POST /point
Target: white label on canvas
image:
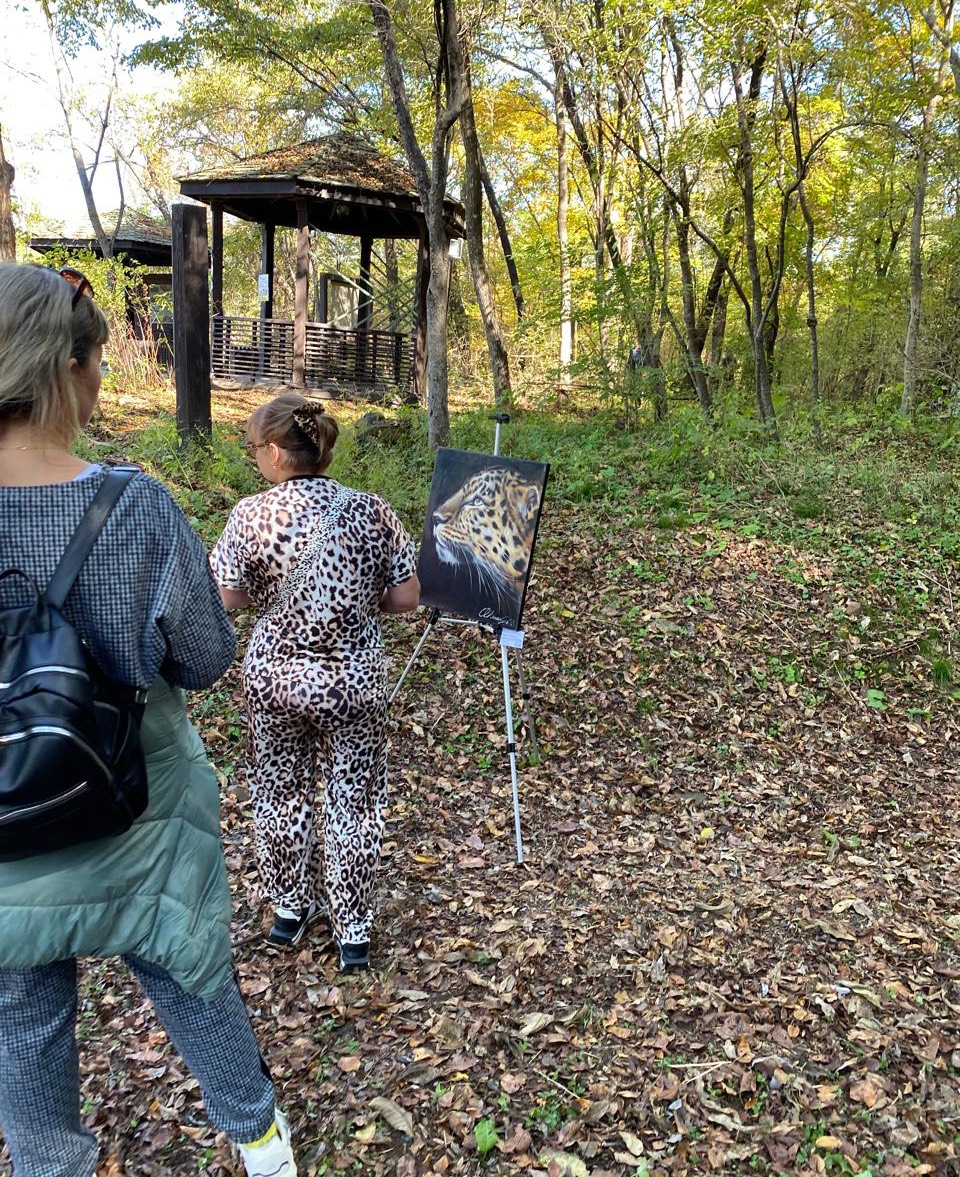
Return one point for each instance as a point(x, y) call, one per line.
point(513, 638)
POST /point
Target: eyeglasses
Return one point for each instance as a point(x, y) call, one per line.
point(252, 446)
point(80, 283)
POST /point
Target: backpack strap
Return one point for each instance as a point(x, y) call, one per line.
point(312, 549)
point(86, 533)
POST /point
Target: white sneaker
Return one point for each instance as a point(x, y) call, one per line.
point(271, 1155)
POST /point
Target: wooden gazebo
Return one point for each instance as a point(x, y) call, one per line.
point(139, 238)
point(337, 184)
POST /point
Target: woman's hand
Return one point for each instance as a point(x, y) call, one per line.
point(235, 598)
point(401, 598)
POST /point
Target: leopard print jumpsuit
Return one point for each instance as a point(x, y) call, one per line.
point(315, 690)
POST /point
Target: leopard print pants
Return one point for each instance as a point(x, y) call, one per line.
point(317, 770)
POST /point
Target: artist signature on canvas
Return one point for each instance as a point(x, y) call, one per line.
point(488, 617)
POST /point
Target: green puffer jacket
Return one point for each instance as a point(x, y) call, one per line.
point(159, 891)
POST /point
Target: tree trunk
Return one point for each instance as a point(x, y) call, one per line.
point(715, 286)
point(916, 241)
point(812, 316)
point(758, 317)
point(593, 160)
point(438, 293)
point(85, 174)
point(496, 211)
point(473, 219)
point(8, 237)
point(789, 93)
point(719, 366)
point(660, 387)
point(567, 340)
point(431, 184)
point(391, 269)
point(698, 378)
point(916, 280)
point(944, 34)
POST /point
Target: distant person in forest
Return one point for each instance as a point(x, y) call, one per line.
point(320, 563)
point(149, 613)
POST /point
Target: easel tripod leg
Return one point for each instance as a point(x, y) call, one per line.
point(512, 750)
point(412, 659)
point(525, 709)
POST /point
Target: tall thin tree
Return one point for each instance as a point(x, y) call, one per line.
point(431, 179)
point(473, 210)
point(8, 237)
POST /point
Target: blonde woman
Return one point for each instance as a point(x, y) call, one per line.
point(320, 562)
point(150, 614)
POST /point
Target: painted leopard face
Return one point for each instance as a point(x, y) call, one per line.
point(486, 529)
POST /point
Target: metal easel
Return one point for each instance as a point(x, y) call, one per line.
point(509, 639)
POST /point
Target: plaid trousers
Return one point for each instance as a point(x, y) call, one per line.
point(40, 1072)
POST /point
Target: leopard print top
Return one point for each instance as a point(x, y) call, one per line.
point(335, 612)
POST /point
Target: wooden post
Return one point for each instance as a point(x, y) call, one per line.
point(267, 237)
point(323, 282)
point(362, 372)
point(216, 274)
point(191, 322)
point(219, 348)
point(267, 240)
point(365, 301)
point(300, 296)
point(419, 374)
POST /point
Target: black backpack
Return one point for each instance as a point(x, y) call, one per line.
point(71, 764)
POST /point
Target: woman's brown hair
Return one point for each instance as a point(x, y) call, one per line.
point(300, 427)
point(89, 330)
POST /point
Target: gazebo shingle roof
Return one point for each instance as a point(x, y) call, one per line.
point(141, 237)
point(342, 160)
point(349, 186)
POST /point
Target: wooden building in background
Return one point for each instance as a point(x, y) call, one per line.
point(141, 239)
point(349, 335)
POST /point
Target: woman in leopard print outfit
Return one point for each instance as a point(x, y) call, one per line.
point(314, 679)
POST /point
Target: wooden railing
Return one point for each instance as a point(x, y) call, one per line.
point(261, 350)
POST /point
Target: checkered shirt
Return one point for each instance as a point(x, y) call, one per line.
point(145, 602)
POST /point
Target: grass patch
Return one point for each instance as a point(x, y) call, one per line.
point(870, 493)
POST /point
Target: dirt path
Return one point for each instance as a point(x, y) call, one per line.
point(732, 947)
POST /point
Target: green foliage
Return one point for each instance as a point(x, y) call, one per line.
point(486, 1136)
point(79, 23)
point(111, 279)
point(206, 481)
point(678, 474)
point(398, 469)
point(551, 1108)
point(252, 77)
point(942, 671)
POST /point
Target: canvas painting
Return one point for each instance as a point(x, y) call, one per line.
point(479, 535)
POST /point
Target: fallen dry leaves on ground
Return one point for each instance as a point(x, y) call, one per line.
point(732, 946)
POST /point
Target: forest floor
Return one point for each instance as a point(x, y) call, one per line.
point(733, 945)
